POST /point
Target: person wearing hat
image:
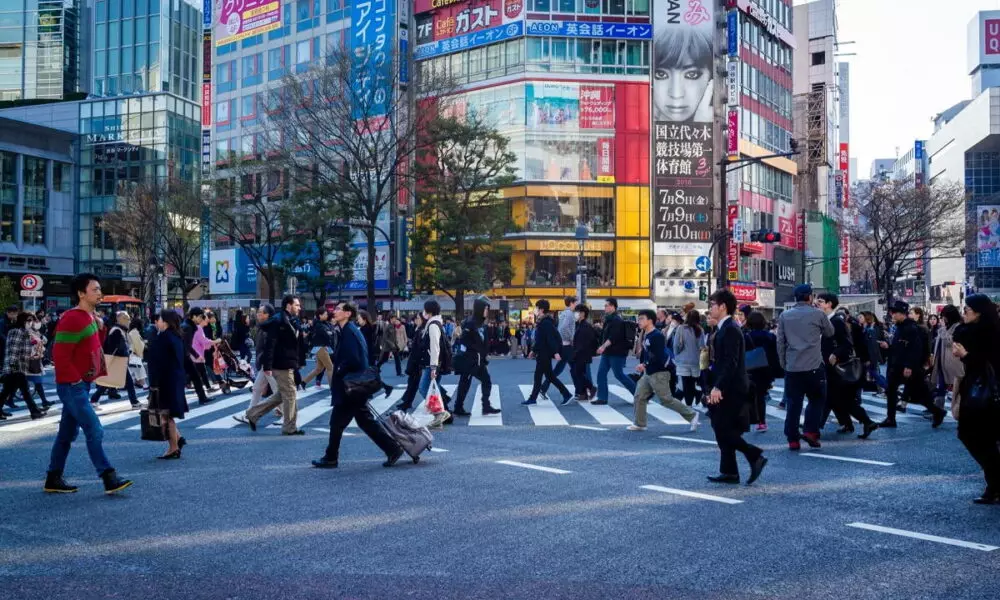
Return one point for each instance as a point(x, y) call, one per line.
point(908, 356)
point(801, 330)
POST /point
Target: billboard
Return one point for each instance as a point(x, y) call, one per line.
point(845, 260)
point(787, 223)
point(983, 40)
point(222, 272)
point(845, 174)
point(570, 105)
point(468, 41)
point(988, 235)
point(206, 104)
point(683, 182)
point(240, 19)
point(462, 18)
point(372, 42)
point(630, 31)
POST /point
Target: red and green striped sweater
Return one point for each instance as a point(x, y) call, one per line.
point(77, 352)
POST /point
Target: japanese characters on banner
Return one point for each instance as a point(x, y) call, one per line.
point(845, 260)
point(626, 31)
point(733, 134)
point(240, 19)
point(372, 41)
point(845, 166)
point(453, 19)
point(683, 182)
point(787, 225)
point(733, 253)
point(570, 105)
point(206, 104)
point(606, 160)
point(745, 291)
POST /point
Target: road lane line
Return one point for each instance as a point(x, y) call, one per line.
point(684, 439)
point(698, 495)
point(544, 414)
point(214, 406)
point(514, 463)
point(478, 419)
point(925, 537)
point(589, 427)
point(863, 461)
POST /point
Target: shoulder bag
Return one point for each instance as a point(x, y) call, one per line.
point(362, 383)
point(983, 392)
point(152, 424)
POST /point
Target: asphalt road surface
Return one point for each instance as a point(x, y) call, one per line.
point(548, 503)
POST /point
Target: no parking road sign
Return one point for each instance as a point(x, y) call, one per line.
point(30, 283)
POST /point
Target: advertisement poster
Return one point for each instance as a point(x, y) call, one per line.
point(845, 260)
point(570, 105)
point(845, 166)
point(988, 235)
point(469, 40)
point(460, 18)
point(787, 227)
point(606, 160)
point(630, 31)
point(206, 105)
point(240, 19)
point(222, 273)
point(372, 42)
point(683, 182)
point(745, 291)
point(733, 249)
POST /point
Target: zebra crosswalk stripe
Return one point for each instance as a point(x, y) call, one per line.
point(657, 411)
point(544, 414)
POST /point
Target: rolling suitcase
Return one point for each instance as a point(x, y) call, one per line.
point(414, 438)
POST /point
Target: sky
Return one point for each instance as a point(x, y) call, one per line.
point(910, 65)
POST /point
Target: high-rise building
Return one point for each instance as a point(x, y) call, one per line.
point(40, 49)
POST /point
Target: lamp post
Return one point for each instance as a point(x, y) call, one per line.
point(582, 233)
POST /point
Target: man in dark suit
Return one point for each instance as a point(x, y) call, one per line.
point(351, 356)
point(547, 346)
point(729, 402)
point(585, 342)
point(841, 396)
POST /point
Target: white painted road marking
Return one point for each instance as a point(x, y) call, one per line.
point(925, 537)
point(655, 410)
point(863, 461)
point(513, 463)
point(698, 495)
point(544, 413)
point(478, 418)
point(438, 450)
point(605, 415)
point(684, 439)
point(589, 427)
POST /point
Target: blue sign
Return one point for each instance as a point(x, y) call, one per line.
point(373, 28)
point(206, 240)
point(733, 33)
point(591, 30)
point(918, 150)
point(470, 40)
point(703, 263)
point(207, 14)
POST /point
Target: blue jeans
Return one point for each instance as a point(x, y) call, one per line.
point(876, 373)
point(615, 364)
point(77, 413)
point(797, 387)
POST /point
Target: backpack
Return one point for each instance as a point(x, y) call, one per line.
point(630, 330)
point(446, 361)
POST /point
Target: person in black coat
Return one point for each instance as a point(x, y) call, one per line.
point(240, 334)
point(368, 331)
point(351, 356)
point(547, 346)
point(280, 359)
point(762, 379)
point(477, 350)
point(585, 342)
point(975, 343)
point(728, 402)
point(166, 378)
point(841, 396)
point(908, 356)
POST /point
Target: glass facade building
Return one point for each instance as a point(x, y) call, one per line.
point(40, 49)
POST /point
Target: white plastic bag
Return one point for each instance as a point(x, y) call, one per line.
point(423, 414)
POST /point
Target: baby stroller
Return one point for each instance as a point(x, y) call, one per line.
point(235, 370)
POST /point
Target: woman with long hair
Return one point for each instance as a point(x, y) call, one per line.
point(762, 378)
point(166, 378)
point(946, 367)
point(689, 341)
point(17, 354)
point(195, 344)
point(874, 333)
point(979, 414)
point(368, 331)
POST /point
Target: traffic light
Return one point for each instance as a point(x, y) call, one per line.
point(702, 293)
point(765, 236)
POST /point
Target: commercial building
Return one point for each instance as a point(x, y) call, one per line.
point(41, 50)
point(760, 46)
point(569, 83)
point(37, 185)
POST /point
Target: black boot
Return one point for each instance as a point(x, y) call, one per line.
point(113, 483)
point(490, 410)
point(55, 484)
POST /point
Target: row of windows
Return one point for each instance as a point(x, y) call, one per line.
point(767, 180)
point(280, 60)
point(126, 33)
point(763, 132)
point(769, 48)
point(591, 7)
point(35, 195)
point(140, 58)
point(112, 10)
point(768, 91)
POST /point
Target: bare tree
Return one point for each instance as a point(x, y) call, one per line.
point(897, 222)
point(247, 208)
point(132, 227)
point(346, 130)
point(461, 213)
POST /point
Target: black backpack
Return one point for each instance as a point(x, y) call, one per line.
point(446, 361)
point(630, 329)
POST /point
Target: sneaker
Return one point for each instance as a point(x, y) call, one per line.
point(794, 446)
point(812, 439)
point(529, 402)
point(762, 427)
point(695, 422)
point(635, 428)
point(241, 419)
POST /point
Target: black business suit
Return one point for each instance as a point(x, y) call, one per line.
point(731, 416)
point(841, 397)
point(548, 343)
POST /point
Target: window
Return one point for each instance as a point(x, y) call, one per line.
point(8, 195)
point(35, 200)
point(545, 268)
point(225, 76)
point(248, 108)
point(277, 62)
point(62, 177)
point(303, 52)
point(251, 67)
point(222, 112)
point(818, 58)
point(562, 214)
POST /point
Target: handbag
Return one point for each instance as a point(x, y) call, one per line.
point(983, 392)
point(116, 366)
point(851, 370)
point(362, 383)
point(756, 359)
point(152, 424)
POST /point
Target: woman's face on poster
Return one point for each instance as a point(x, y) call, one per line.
point(678, 92)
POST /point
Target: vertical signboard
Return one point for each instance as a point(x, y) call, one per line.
point(845, 166)
point(845, 260)
point(373, 30)
point(733, 254)
point(682, 74)
point(206, 14)
point(733, 134)
point(733, 33)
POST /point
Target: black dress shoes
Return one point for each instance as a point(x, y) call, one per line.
point(988, 497)
point(324, 463)
point(887, 424)
point(869, 428)
point(756, 468)
point(846, 429)
point(393, 458)
point(732, 479)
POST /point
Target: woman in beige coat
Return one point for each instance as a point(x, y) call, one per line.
point(947, 367)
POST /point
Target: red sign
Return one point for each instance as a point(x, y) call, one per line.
point(597, 107)
point(733, 254)
point(845, 167)
point(845, 254)
point(744, 291)
point(206, 71)
point(605, 157)
point(459, 18)
point(991, 39)
point(801, 232)
point(206, 105)
point(31, 282)
point(733, 137)
point(785, 211)
point(753, 248)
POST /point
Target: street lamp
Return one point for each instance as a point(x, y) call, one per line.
point(582, 233)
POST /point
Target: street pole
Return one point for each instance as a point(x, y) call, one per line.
point(582, 233)
point(724, 226)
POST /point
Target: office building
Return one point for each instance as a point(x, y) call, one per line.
point(40, 49)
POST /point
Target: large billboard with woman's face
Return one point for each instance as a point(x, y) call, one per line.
point(683, 53)
point(988, 235)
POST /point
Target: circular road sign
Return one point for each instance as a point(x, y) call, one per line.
point(31, 282)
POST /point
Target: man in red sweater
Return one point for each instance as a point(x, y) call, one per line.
point(79, 360)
